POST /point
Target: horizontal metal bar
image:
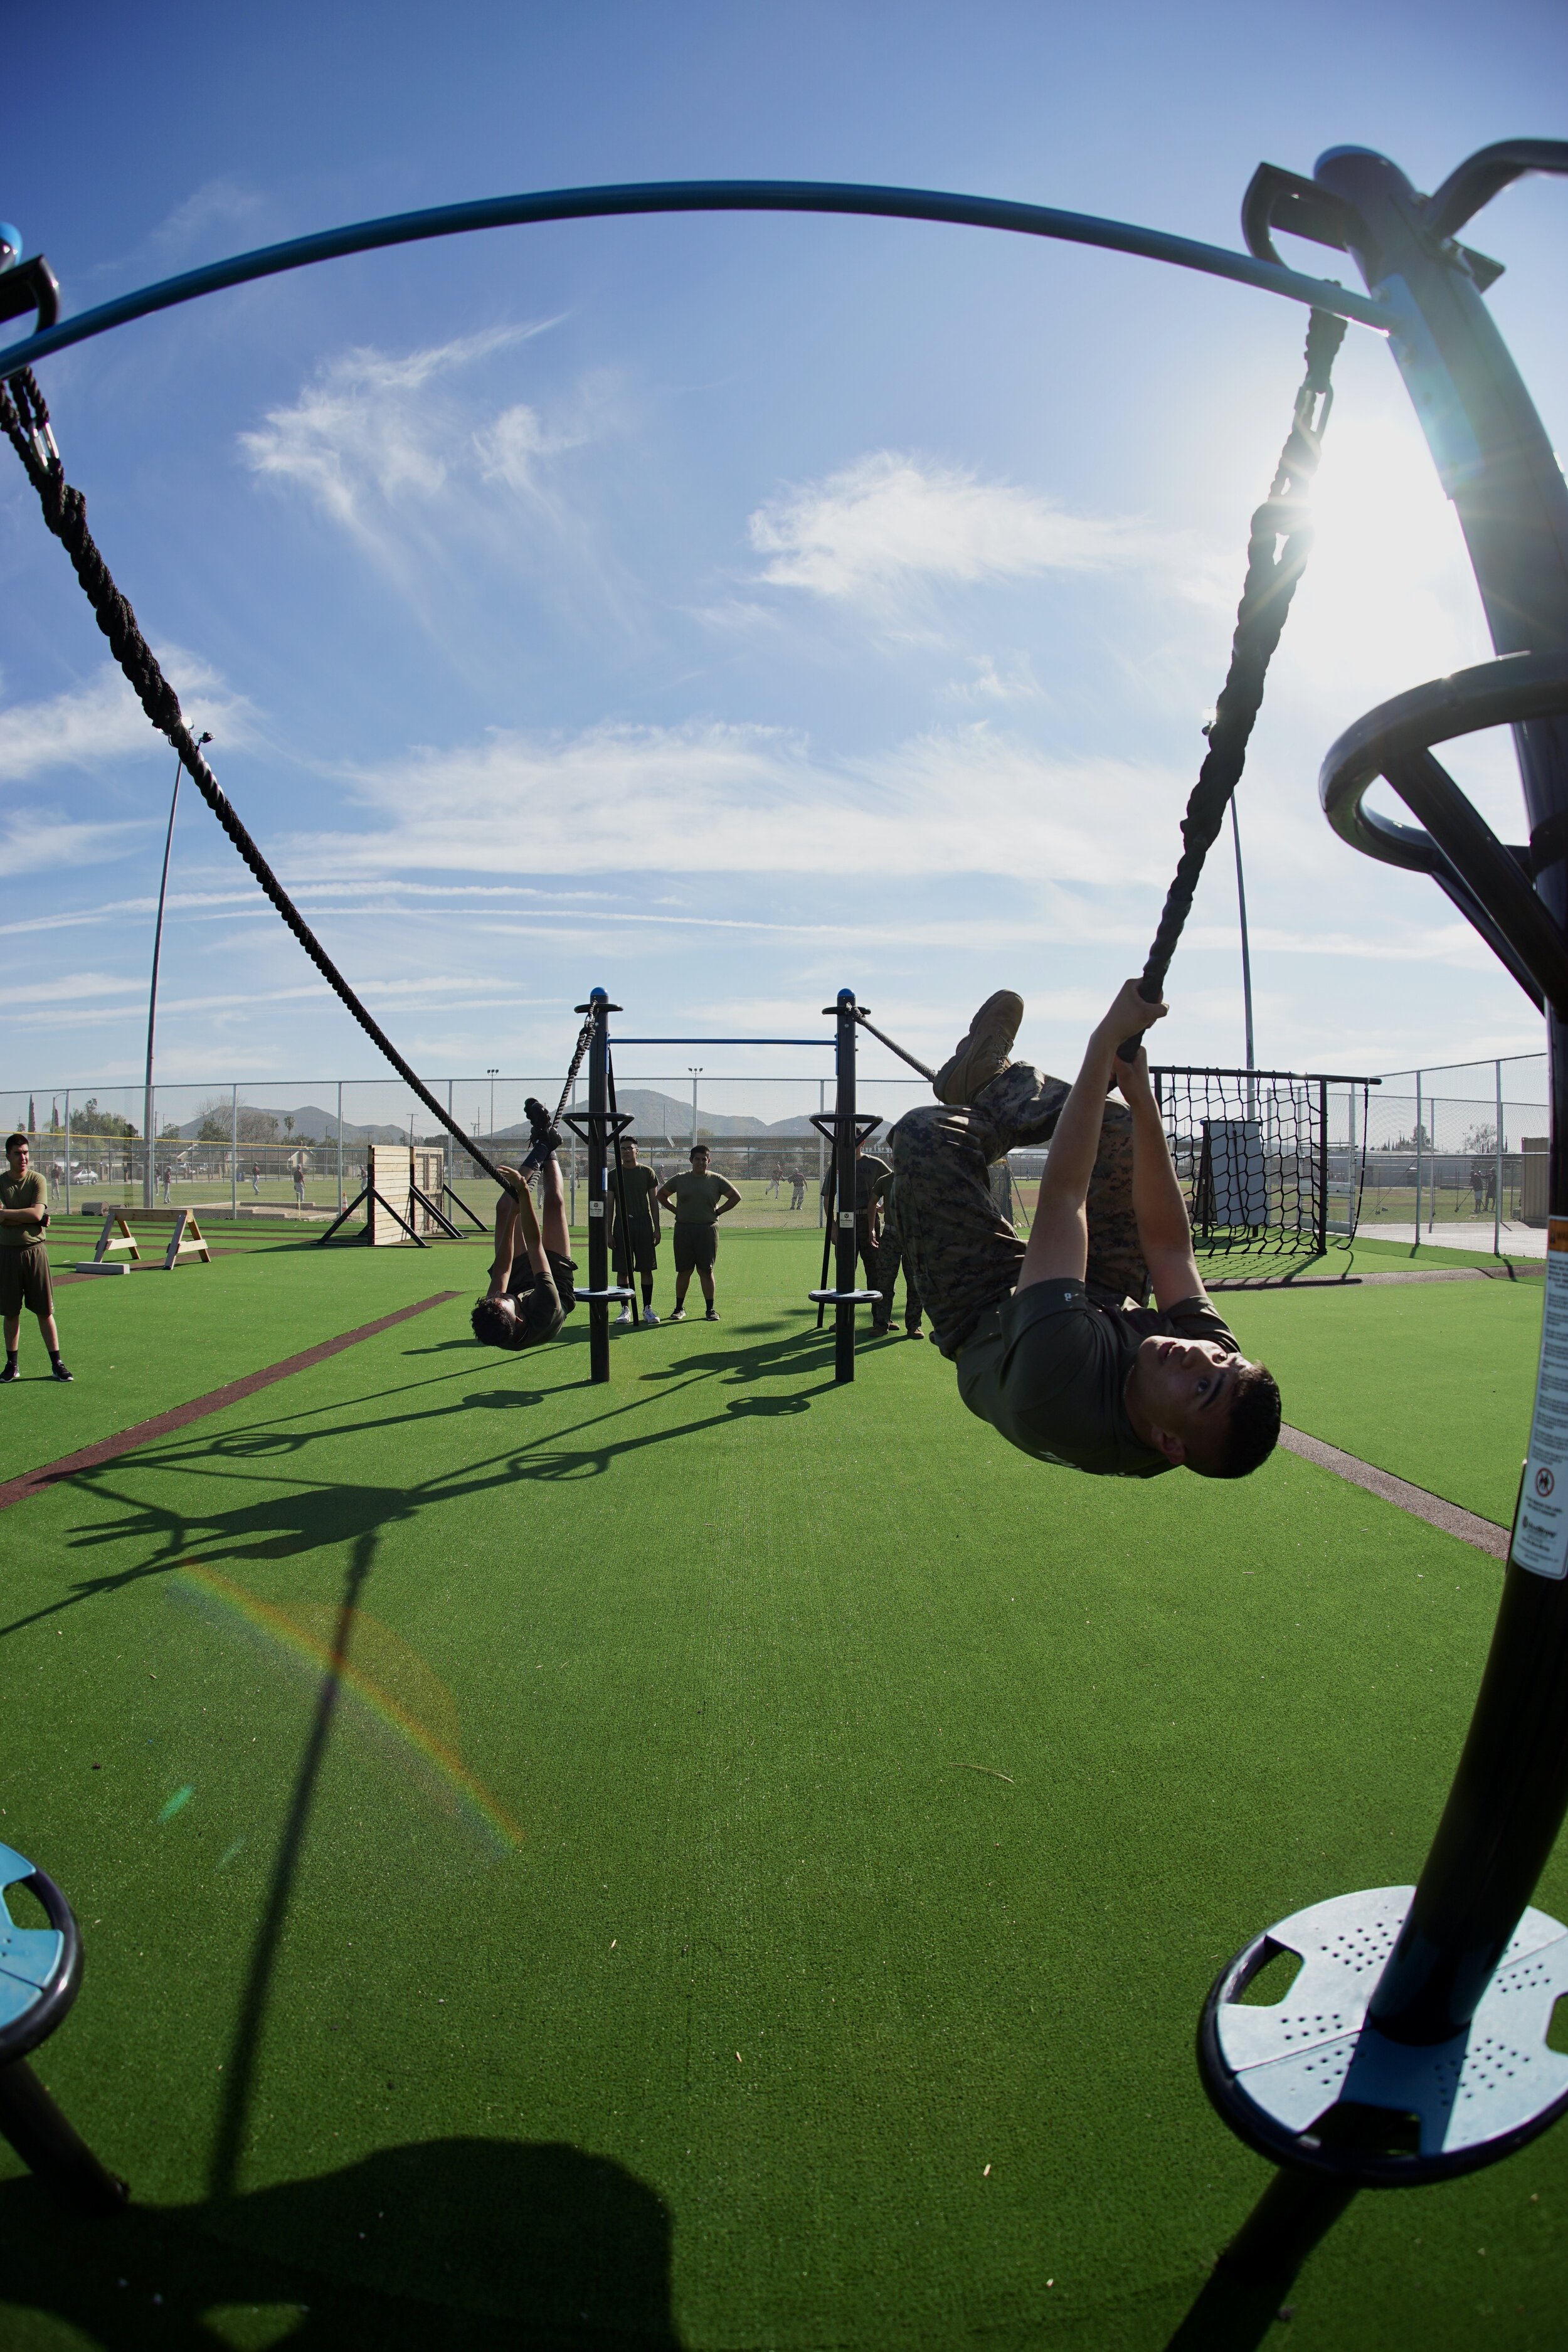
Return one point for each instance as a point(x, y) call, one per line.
point(720, 1041)
point(1302, 1078)
point(697, 196)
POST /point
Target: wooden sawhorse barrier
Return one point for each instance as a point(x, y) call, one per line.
point(187, 1244)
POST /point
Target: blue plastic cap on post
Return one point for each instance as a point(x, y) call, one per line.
point(10, 246)
point(847, 996)
point(598, 995)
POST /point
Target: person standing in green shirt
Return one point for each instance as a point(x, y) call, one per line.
point(24, 1258)
point(698, 1202)
point(637, 1245)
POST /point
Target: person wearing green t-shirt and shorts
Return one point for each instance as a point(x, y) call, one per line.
point(698, 1202)
point(24, 1258)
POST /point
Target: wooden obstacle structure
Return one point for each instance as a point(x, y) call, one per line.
point(187, 1244)
point(404, 1197)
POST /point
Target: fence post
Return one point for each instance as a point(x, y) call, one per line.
point(1323, 1233)
point(234, 1154)
point(821, 1150)
point(1497, 1172)
point(339, 1147)
point(1417, 1159)
point(67, 1152)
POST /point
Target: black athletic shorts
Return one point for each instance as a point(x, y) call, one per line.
point(644, 1248)
point(562, 1269)
point(695, 1247)
point(25, 1280)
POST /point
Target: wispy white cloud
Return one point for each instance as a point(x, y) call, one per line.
point(101, 719)
point(38, 845)
point(708, 797)
point(373, 432)
point(891, 523)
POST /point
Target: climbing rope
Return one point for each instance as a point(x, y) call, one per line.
point(584, 1039)
point(26, 419)
point(1279, 545)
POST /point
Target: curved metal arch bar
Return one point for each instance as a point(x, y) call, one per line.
point(697, 196)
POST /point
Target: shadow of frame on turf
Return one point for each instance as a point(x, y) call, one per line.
point(456, 2245)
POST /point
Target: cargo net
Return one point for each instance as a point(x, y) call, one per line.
point(1271, 1162)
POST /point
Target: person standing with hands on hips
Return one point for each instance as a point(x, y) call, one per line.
point(24, 1258)
point(698, 1200)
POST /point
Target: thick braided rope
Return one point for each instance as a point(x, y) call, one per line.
point(585, 1039)
point(26, 420)
point(1271, 578)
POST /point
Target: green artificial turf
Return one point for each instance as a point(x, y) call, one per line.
point(1434, 1382)
point(754, 1882)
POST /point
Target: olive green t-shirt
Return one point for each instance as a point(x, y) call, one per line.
point(640, 1184)
point(697, 1198)
point(25, 1192)
point(1048, 1368)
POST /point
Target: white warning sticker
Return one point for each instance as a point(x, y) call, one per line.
point(847, 1219)
point(1540, 1540)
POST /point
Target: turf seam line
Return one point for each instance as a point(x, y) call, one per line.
point(1484, 1534)
point(145, 1432)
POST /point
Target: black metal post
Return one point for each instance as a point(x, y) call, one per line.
point(845, 1189)
point(1511, 1791)
point(601, 1142)
point(621, 1221)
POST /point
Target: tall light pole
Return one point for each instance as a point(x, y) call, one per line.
point(696, 1073)
point(492, 1075)
point(1245, 955)
point(152, 992)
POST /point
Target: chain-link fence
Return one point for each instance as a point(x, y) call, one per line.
point(297, 1149)
point(1457, 1153)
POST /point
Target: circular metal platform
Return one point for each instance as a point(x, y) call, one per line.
point(1308, 2082)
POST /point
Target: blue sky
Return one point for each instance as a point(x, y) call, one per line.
point(725, 610)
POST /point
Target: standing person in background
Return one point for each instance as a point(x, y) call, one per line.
point(637, 1245)
point(698, 1200)
point(255, 1181)
point(796, 1188)
point(873, 1174)
point(297, 1166)
point(890, 1255)
point(24, 1258)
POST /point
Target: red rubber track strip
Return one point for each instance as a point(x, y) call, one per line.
point(146, 1432)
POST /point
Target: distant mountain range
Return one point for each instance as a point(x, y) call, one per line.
point(665, 1117)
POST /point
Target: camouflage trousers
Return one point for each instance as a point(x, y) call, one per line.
point(961, 1250)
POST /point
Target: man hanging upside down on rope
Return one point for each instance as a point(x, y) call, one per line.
point(530, 1293)
point(1054, 1343)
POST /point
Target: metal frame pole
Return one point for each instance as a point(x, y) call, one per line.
point(598, 1183)
point(234, 1149)
point(67, 1152)
point(1417, 1159)
point(846, 1271)
point(1496, 461)
point(341, 1144)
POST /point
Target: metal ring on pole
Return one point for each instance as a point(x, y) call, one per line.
point(1488, 881)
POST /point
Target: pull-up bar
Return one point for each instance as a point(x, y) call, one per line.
point(700, 196)
point(725, 1041)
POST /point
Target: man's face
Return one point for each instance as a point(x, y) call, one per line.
point(629, 1155)
point(18, 1157)
point(508, 1306)
point(1185, 1386)
point(699, 1163)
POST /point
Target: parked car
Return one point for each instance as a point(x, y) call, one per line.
point(86, 1176)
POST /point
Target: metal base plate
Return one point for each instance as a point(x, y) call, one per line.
point(1277, 2073)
